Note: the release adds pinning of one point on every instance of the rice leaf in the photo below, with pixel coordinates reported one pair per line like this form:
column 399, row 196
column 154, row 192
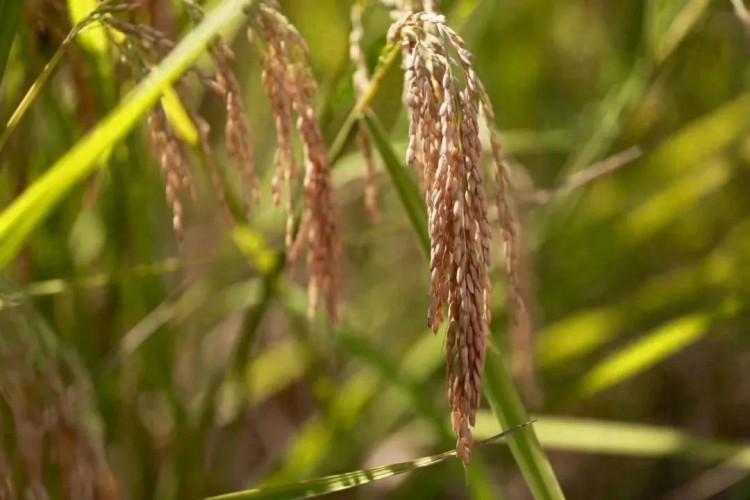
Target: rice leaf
column 9, row 13
column 338, row 482
column 178, row 117
column 508, row 410
column 411, row 386
column 628, row 439
column 34, row 205
column 94, row 40
column 658, row 345
column 403, row 182
column 608, row 119
column 348, row 480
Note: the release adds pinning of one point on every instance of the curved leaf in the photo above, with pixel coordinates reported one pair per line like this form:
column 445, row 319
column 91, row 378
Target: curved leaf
column 628, row 439
column 402, row 181
column 347, row 480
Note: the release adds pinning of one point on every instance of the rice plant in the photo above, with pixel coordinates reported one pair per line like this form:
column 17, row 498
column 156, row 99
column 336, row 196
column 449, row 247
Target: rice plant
column 225, row 222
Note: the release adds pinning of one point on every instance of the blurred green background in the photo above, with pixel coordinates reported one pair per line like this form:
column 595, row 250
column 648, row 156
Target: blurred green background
column 183, row 372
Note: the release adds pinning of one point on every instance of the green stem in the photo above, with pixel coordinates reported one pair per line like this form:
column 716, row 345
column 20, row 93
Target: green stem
column 49, row 68
column 509, row 411
column 31, row 94
column 387, row 59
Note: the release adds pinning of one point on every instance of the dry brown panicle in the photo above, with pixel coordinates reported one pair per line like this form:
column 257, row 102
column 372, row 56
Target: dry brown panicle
column 50, row 438
column 275, row 82
column 168, row 148
column 237, row 134
column 444, row 96
column 141, row 47
column 146, row 36
column 236, row 130
column 291, row 88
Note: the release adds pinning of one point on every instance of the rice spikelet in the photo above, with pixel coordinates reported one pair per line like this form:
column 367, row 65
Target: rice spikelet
column 444, row 96
column 236, row 129
column 167, row 146
column 291, row 88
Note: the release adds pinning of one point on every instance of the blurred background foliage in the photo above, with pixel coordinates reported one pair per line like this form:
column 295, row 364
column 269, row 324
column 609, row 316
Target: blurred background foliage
column 182, row 372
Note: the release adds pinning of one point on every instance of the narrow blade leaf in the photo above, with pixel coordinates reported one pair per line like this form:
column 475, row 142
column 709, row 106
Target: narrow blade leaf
column 31, row 208
column 347, row 480
column 10, row 10
column 407, row 189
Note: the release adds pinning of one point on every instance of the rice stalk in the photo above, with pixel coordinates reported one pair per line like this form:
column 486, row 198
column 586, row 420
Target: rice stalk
column 445, row 97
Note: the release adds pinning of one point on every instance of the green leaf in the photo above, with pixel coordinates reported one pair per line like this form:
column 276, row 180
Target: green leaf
column 693, row 167
column 508, row 409
column 338, row 482
column 348, row 480
column 644, row 353
column 360, row 390
column 627, row 439
column 390, row 370
column 681, row 25
column 387, row 59
column 178, row 117
column 10, row 11
column 94, row 40
column 400, row 374
column 32, row 93
column 84, row 18
column 402, row 180
column 608, row 120
column 33, row 205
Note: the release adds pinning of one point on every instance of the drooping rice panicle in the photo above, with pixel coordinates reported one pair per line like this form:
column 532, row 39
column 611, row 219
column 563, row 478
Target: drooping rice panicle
column 445, row 96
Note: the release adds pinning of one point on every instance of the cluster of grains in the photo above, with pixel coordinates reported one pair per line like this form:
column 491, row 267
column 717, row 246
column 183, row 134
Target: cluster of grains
column 50, row 443
column 361, row 82
column 444, row 96
column 236, row 128
column 167, row 146
column 140, row 47
column 44, row 435
column 291, row 89
column 145, row 36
